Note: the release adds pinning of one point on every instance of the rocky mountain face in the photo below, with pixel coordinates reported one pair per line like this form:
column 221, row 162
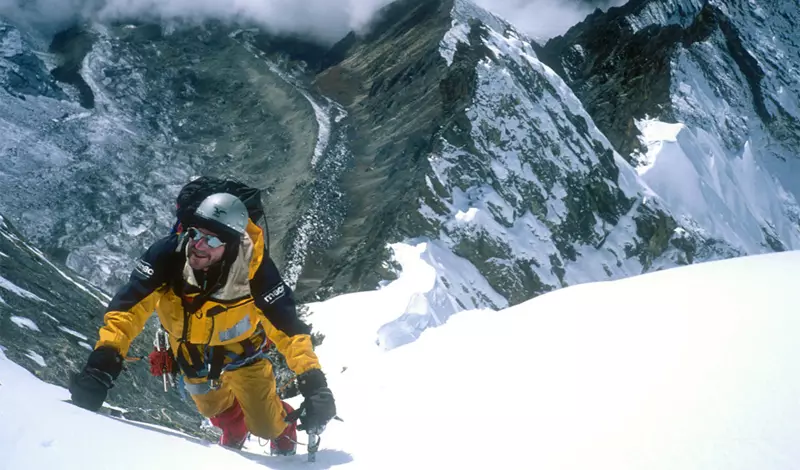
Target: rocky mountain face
column 726, row 73
column 656, row 134
column 495, row 157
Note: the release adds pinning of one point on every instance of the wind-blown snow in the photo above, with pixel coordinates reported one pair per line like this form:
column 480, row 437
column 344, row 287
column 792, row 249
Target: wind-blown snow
column 73, row 333
column 15, row 289
column 24, row 322
column 689, row 368
column 730, row 163
column 657, row 137
column 50, row 317
column 733, row 165
column 36, row 357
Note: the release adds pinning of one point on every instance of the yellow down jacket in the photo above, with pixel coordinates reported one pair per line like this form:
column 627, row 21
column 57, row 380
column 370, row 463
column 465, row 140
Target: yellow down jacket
column 227, row 326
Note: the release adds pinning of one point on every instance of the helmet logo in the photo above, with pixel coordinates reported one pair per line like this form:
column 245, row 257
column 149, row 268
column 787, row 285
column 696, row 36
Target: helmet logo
column 225, row 209
column 218, row 211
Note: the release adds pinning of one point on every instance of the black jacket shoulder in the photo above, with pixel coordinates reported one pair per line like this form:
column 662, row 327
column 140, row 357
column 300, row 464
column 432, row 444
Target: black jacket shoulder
column 275, row 298
column 152, row 270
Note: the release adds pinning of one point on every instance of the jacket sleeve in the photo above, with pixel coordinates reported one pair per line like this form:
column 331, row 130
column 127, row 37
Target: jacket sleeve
column 130, row 308
column 290, row 334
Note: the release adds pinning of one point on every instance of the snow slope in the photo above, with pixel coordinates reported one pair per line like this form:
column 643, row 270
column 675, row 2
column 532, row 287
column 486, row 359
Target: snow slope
column 732, row 168
column 689, row 368
column 733, row 199
column 40, row 431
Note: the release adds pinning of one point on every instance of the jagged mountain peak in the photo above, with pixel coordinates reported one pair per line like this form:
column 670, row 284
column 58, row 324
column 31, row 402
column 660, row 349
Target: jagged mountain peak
column 648, row 34
column 723, row 71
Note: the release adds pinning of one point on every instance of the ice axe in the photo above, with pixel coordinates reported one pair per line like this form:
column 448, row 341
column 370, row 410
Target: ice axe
column 313, row 432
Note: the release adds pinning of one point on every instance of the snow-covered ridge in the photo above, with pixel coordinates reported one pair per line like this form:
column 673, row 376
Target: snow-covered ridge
column 463, row 11
column 727, row 167
column 665, row 13
column 732, row 166
column 755, row 35
column 537, row 151
column 765, row 32
column 636, row 373
column 731, row 197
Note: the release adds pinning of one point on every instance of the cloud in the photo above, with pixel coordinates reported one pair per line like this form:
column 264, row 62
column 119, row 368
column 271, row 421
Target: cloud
column 544, row 19
column 325, row 20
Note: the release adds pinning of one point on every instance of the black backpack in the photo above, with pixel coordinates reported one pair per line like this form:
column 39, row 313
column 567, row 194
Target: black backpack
column 194, row 192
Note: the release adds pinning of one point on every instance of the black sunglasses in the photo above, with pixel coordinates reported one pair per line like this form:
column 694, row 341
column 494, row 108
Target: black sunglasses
column 196, row 235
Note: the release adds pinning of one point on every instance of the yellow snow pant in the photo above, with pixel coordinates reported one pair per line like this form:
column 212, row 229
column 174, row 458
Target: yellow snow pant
column 253, row 387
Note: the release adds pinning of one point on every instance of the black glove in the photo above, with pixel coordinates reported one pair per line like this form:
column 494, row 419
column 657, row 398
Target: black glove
column 90, row 387
column 319, row 407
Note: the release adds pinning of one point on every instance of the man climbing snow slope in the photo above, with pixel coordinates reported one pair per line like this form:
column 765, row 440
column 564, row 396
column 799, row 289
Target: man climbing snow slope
column 219, row 297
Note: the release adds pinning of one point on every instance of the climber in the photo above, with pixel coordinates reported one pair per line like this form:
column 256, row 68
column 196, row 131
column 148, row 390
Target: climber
column 220, row 298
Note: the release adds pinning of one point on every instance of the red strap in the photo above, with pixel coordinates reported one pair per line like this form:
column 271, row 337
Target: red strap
column 160, row 362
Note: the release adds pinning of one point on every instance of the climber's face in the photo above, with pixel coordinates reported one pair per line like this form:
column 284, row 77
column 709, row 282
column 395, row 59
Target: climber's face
column 202, row 254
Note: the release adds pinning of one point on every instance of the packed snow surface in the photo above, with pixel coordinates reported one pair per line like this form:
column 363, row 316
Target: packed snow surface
column 690, row 368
